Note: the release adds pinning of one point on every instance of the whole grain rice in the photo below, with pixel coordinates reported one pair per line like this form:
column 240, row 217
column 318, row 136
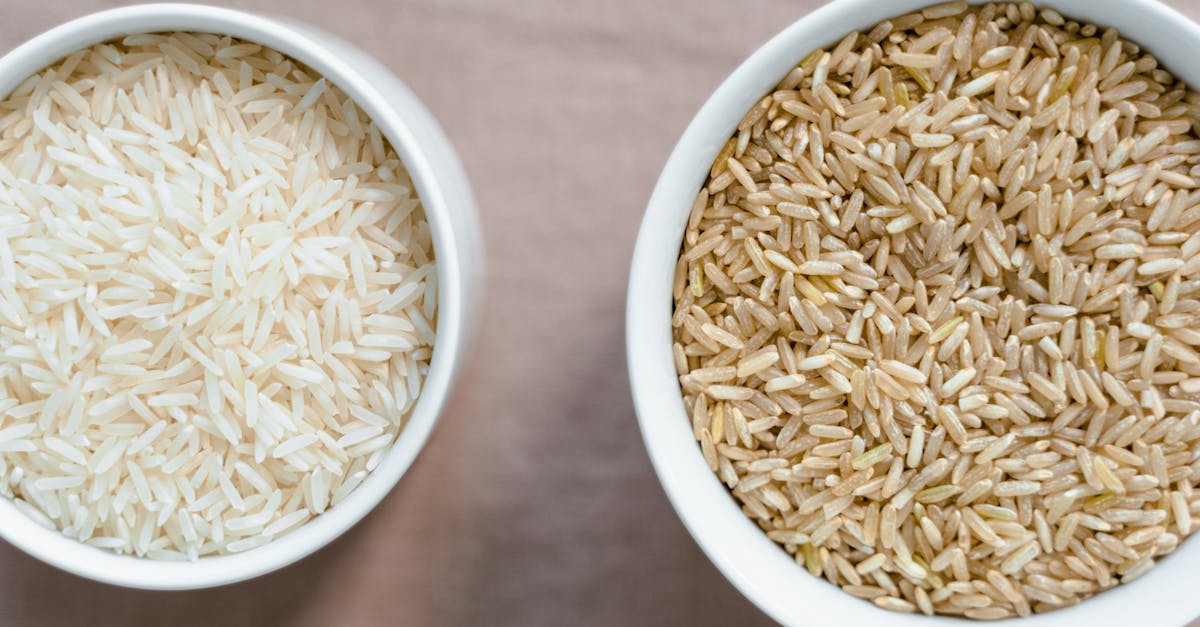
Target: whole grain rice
column 933, row 311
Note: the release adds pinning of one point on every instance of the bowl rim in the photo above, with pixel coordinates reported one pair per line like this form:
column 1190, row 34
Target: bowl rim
column 755, row 565
column 442, row 187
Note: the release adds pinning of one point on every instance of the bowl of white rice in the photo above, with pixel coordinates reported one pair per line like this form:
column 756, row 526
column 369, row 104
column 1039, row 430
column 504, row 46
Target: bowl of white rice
column 239, row 266
column 911, row 317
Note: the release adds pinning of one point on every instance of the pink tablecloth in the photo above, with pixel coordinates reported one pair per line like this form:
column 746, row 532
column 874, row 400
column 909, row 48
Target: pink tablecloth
column 534, row 503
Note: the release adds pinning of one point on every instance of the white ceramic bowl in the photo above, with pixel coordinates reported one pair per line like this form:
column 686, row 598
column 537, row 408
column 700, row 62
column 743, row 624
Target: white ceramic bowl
column 443, row 189
column 759, row 568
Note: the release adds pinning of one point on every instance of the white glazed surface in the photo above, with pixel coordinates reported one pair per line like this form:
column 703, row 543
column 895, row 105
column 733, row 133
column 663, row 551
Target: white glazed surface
column 446, row 197
column 758, row 567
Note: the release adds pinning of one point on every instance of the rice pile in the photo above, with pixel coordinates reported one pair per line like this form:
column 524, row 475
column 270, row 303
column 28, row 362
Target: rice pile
column 217, row 295
column 937, row 312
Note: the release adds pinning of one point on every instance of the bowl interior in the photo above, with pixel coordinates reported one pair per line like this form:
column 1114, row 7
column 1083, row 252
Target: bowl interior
column 445, row 197
column 758, row 567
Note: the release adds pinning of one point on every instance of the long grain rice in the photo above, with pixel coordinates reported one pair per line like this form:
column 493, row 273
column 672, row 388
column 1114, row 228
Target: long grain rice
column 217, row 299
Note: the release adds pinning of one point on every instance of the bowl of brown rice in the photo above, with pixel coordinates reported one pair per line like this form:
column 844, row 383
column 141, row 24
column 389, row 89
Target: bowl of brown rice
column 239, row 266
column 911, row 324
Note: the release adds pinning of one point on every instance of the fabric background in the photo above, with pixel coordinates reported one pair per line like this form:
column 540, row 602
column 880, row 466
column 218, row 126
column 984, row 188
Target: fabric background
column 534, row 503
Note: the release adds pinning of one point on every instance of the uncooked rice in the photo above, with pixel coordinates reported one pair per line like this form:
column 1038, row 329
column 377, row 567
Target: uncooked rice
column 217, row 295
column 935, row 312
